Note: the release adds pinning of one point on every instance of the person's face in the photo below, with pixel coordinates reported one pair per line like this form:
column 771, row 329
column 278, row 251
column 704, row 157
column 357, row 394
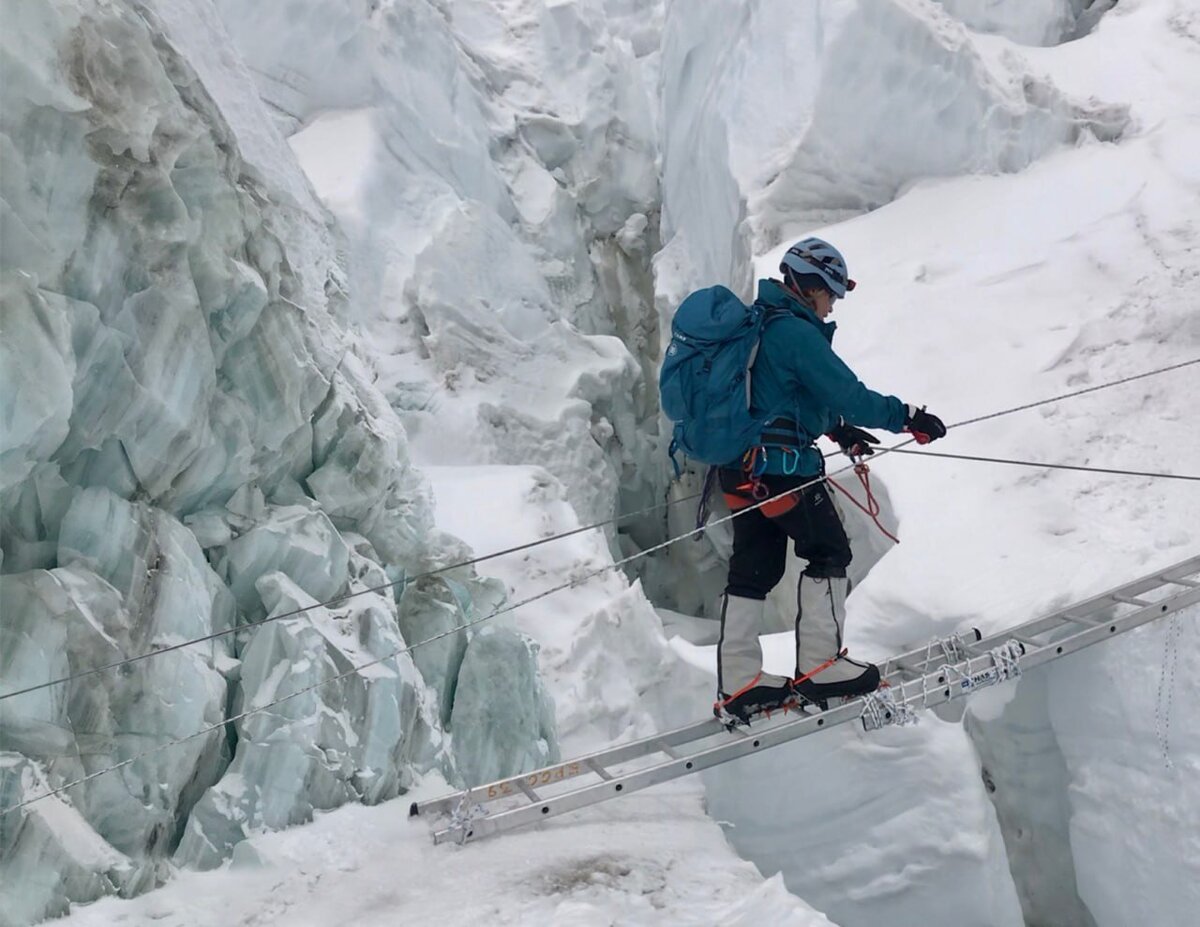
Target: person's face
column 822, row 302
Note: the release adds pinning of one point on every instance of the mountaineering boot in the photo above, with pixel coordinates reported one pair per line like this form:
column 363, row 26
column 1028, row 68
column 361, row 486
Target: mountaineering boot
column 743, row 689
column 822, row 671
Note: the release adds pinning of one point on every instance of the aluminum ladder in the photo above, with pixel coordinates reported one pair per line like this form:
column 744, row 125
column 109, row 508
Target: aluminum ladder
column 922, row 678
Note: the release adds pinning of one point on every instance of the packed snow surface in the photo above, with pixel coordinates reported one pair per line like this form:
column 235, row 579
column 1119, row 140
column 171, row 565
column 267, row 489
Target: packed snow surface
column 319, row 297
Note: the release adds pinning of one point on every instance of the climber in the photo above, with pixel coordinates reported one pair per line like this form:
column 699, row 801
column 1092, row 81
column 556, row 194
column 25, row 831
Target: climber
column 796, row 370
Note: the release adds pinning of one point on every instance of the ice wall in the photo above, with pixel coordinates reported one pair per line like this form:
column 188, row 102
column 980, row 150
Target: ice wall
column 796, row 131
column 190, row 441
column 1088, row 767
column 494, row 167
column 1031, row 23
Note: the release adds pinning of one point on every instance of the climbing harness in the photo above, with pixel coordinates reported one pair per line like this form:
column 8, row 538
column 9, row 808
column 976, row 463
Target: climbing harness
column 754, row 465
column 704, row 508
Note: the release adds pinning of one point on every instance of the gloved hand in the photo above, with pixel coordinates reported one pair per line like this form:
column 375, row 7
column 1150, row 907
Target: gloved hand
column 923, row 426
column 854, row 441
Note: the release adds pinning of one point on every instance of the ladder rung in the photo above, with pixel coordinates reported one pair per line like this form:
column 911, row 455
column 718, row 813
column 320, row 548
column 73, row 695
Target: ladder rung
column 668, row 750
column 1081, row 619
column 529, row 792
column 598, row 769
column 1129, row 600
column 1180, row 581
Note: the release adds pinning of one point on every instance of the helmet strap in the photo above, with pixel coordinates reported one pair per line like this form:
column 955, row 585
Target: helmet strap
column 789, row 282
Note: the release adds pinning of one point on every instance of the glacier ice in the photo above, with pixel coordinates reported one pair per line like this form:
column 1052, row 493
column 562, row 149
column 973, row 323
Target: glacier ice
column 524, row 143
column 1028, row 781
column 799, row 132
column 321, row 745
column 299, row 541
column 429, row 609
column 212, row 443
column 204, row 447
column 52, row 852
column 869, row 826
column 503, row 721
column 1045, row 22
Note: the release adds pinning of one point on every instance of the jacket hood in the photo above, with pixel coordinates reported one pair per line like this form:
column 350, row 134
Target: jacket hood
column 775, row 294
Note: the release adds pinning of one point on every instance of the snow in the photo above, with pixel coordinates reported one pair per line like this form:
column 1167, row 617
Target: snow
column 653, row 859
column 319, row 298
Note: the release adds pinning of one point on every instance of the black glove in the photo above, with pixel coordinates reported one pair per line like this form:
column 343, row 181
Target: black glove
column 854, row 441
column 923, row 426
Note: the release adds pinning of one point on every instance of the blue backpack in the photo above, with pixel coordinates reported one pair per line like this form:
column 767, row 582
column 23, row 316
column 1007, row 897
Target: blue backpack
column 705, row 379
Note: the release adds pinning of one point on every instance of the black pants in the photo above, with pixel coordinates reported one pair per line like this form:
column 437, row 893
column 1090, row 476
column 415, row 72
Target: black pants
column 808, row 518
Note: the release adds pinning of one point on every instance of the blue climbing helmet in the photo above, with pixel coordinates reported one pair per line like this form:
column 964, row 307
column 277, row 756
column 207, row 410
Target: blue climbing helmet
column 817, row 256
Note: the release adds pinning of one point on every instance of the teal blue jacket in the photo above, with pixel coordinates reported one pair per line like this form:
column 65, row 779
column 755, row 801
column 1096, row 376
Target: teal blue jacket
column 797, row 376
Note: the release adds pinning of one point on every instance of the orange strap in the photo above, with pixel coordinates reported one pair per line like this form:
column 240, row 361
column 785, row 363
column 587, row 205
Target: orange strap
column 746, row 688
column 824, row 666
column 772, row 509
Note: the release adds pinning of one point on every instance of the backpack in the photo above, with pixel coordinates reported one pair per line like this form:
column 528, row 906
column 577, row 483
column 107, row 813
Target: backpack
column 704, row 384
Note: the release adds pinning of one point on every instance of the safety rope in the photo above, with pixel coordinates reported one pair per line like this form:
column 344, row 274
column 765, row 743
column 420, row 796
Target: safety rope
column 1006, row 664
column 872, row 508
column 337, row 600
column 464, row 815
column 954, row 650
column 1166, row 692
column 1079, row 392
column 880, row 708
column 522, row 547
column 579, row 580
column 1051, row 466
column 568, row 585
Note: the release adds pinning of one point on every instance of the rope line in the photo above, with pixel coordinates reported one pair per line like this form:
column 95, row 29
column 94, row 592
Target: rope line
column 406, row 649
column 1051, row 466
column 337, row 600
column 872, row 508
column 340, row 599
column 568, row 585
column 1079, row 392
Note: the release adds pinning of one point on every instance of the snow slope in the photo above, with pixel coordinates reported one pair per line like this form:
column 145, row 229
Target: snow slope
column 656, row 859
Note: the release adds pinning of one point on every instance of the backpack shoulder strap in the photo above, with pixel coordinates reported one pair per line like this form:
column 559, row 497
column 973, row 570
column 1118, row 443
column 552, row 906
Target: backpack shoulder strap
column 771, row 313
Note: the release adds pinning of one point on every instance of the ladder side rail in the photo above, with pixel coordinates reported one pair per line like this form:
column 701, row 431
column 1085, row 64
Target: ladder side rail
column 1136, row 587
column 644, row 778
column 1118, row 625
column 936, row 686
column 969, row 675
column 916, row 658
column 1053, row 622
column 568, row 769
column 934, row 689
